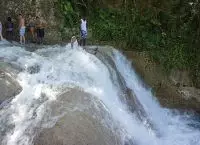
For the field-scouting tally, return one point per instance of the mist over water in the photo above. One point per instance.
(50, 71)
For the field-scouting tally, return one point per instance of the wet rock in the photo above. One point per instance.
(129, 141)
(34, 69)
(9, 87)
(174, 90)
(190, 92)
(83, 122)
(180, 78)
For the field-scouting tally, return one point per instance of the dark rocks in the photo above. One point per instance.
(33, 69)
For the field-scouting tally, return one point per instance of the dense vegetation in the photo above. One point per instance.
(168, 30)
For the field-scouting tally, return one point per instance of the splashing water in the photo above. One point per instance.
(173, 128)
(50, 71)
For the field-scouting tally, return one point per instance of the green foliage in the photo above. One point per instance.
(70, 20)
(105, 25)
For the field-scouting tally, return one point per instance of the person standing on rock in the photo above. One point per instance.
(32, 27)
(22, 29)
(42, 30)
(1, 28)
(83, 32)
(38, 26)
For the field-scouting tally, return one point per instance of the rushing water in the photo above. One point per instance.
(49, 71)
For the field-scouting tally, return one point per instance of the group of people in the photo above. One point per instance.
(35, 26)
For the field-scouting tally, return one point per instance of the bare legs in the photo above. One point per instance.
(32, 33)
(22, 40)
(1, 36)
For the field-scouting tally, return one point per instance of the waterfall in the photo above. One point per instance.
(132, 113)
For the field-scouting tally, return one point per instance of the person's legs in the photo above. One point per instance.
(10, 34)
(38, 35)
(1, 36)
(42, 35)
(83, 35)
(81, 40)
(24, 39)
(84, 41)
(20, 39)
(32, 33)
(22, 35)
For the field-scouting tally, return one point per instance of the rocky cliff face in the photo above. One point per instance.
(45, 9)
(173, 90)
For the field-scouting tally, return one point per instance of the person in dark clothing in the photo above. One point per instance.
(40, 26)
(42, 31)
(31, 26)
(9, 29)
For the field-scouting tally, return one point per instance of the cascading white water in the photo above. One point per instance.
(60, 68)
(174, 129)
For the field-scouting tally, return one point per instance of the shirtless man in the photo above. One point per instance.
(22, 29)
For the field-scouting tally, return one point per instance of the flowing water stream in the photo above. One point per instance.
(133, 113)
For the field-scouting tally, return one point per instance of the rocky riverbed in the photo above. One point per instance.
(9, 87)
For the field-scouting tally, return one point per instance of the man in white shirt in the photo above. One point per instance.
(83, 32)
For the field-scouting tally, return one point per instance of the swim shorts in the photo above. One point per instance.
(83, 34)
(22, 31)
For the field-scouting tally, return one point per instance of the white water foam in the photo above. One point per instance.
(60, 68)
(174, 129)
